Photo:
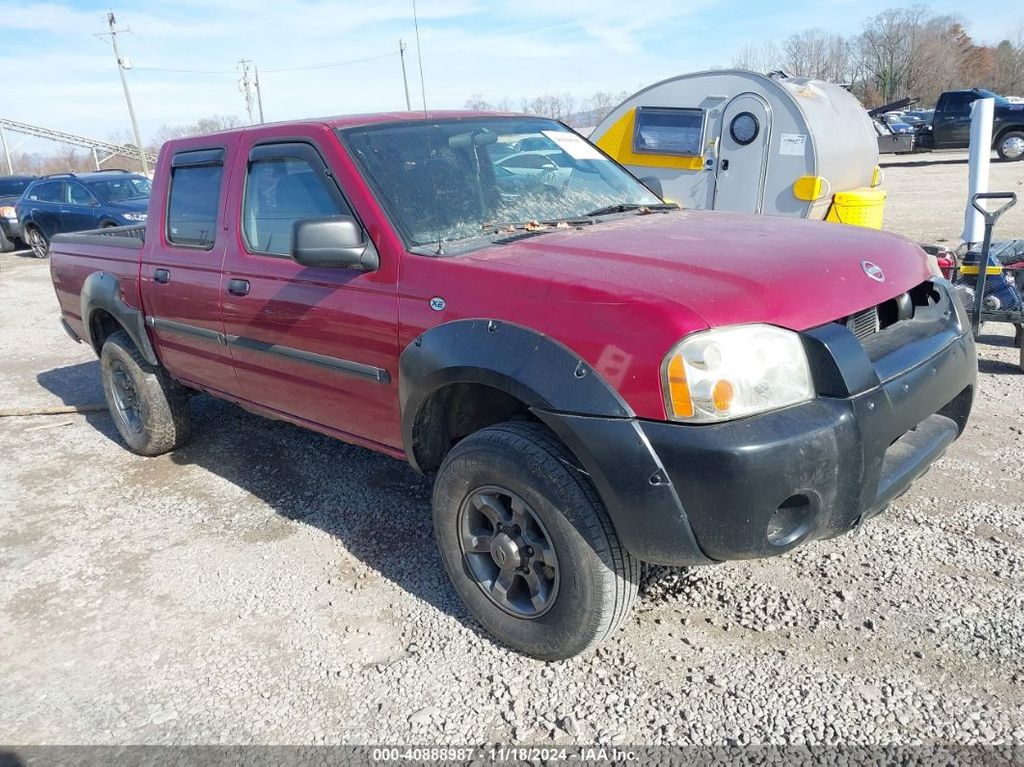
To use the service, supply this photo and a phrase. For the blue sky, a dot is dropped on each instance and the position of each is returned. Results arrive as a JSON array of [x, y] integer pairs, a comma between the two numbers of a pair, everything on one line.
[[59, 75]]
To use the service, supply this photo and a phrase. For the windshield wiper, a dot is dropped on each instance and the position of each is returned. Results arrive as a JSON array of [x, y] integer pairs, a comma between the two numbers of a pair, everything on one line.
[[547, 225], [623, 207]]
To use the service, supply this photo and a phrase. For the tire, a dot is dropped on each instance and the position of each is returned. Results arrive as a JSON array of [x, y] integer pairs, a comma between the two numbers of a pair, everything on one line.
[[6, 245], [585, 580], [149, 410], [1010, 146], [37, 242]]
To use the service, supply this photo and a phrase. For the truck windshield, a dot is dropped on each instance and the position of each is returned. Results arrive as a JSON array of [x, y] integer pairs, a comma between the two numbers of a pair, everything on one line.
[[447, 180]]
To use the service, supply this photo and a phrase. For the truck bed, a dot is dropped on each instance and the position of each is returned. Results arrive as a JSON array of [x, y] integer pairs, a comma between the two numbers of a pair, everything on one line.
[[74, 256]]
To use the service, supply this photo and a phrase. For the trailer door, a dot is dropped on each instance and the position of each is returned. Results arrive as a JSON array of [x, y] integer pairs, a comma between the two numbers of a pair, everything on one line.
[[743, 154]]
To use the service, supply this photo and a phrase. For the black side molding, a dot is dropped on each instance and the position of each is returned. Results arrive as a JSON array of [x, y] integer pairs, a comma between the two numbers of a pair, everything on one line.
[[336, 364]]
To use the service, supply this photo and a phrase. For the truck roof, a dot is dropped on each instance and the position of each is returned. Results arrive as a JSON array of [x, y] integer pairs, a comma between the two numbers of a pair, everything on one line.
[[376, 118]]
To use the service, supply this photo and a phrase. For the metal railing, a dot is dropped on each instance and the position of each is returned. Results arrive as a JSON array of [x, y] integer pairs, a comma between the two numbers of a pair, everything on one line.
[[112, 150]]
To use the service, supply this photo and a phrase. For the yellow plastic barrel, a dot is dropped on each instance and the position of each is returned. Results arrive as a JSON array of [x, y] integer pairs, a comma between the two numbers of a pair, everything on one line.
[[858, 207]]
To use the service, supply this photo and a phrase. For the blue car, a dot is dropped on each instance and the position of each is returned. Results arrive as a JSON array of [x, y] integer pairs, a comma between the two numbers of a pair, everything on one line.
[[73, 202]]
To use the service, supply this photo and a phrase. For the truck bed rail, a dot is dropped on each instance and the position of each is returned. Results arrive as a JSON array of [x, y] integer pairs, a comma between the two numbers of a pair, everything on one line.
[[115, 236]]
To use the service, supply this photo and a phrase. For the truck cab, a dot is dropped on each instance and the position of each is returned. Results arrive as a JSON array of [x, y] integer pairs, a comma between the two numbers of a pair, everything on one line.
[[593, 377], [951, 124]]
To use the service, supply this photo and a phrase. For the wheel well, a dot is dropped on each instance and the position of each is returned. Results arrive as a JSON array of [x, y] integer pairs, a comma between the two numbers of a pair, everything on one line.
[[1004, 131], [102, 325], [455, 411]]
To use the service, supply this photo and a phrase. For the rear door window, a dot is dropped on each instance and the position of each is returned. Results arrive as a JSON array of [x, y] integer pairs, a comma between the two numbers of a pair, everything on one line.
[[194, 200], [49, 191]]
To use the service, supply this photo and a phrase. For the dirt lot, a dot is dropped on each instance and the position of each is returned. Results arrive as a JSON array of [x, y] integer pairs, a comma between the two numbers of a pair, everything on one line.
[[269, 585]]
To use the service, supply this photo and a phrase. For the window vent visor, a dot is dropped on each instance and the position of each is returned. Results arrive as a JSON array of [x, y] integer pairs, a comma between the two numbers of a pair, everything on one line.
[[198, 157]]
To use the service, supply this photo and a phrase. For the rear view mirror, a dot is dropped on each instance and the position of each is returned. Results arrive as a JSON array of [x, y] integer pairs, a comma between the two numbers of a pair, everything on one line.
[[653, 183], [333, 242]]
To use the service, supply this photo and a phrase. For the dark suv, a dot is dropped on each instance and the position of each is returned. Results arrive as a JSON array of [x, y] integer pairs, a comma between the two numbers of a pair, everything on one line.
[[72, 202]]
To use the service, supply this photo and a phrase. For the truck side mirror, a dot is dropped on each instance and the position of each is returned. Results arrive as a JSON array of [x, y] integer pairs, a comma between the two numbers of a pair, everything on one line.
[[335, 242]]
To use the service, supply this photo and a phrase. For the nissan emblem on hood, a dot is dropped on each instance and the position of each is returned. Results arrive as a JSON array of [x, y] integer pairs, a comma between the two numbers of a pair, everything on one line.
[[874, 271]]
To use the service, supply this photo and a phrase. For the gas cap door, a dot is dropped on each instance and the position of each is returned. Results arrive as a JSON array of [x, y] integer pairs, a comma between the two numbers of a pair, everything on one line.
[[743, 158]]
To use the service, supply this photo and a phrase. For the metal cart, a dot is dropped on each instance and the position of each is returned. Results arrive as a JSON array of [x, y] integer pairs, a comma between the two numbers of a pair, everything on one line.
[[978, 314]]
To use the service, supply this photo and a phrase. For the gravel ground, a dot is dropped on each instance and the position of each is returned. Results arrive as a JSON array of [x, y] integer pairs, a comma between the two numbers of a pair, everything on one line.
[[269, 585]]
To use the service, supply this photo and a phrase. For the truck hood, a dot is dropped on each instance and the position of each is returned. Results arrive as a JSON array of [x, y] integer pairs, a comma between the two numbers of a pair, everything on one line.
[[726, 268]]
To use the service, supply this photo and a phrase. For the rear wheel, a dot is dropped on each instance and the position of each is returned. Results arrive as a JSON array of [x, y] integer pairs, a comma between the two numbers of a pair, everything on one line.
[[37, 242], [528, 544], [1011, 146], [149, 410]]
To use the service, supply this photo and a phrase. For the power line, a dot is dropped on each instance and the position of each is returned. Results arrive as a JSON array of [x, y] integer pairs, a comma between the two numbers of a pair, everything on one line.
[[266, 71], [335, 64], [186, 71]]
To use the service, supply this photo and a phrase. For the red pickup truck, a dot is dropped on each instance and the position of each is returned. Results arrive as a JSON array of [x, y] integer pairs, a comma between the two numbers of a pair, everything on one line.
[[596, 377]]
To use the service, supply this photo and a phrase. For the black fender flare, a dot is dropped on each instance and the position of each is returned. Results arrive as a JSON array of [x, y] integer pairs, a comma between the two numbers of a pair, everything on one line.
[[576, 402], [101, 290], [536, 369]]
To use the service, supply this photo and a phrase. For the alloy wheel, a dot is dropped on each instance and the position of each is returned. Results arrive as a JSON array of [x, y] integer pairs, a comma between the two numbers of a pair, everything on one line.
[[126, 398], [508, 552]]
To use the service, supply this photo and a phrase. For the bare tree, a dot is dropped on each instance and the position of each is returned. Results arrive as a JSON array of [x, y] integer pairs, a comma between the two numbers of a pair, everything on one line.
[[477, 103], [760, 57], [201, 127], [1009, 60], [559, 106], [806, 54]]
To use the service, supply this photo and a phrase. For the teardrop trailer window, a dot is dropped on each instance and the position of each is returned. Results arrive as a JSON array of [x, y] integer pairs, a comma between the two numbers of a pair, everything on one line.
[[665, 130]]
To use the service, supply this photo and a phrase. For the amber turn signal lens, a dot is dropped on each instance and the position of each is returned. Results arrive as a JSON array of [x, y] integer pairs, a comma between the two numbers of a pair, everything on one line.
[[679, 392], [721, 395]]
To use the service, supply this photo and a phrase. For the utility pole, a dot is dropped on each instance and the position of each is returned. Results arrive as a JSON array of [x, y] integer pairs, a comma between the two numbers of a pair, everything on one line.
[[405, 80], [121, 67], [246, 87], [259, 93]]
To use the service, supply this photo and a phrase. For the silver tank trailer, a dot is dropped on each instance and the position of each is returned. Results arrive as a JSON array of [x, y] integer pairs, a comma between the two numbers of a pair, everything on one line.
[[740, 141]]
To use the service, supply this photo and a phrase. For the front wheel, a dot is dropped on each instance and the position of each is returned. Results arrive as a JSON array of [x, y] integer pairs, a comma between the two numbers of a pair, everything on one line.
[[149, 409], [38, 243], [1011, 146], [528, 544]]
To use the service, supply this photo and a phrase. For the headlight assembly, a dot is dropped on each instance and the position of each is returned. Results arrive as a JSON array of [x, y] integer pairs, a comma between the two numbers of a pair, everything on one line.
[[731, 372], [135, 216]]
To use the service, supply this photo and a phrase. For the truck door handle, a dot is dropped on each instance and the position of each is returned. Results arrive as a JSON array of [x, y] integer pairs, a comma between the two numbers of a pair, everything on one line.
[[238, 287], [162, 276], [725, 165]]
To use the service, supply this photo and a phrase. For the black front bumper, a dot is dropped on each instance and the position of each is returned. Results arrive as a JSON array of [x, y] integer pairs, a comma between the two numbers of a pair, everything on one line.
[[759, 486]]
